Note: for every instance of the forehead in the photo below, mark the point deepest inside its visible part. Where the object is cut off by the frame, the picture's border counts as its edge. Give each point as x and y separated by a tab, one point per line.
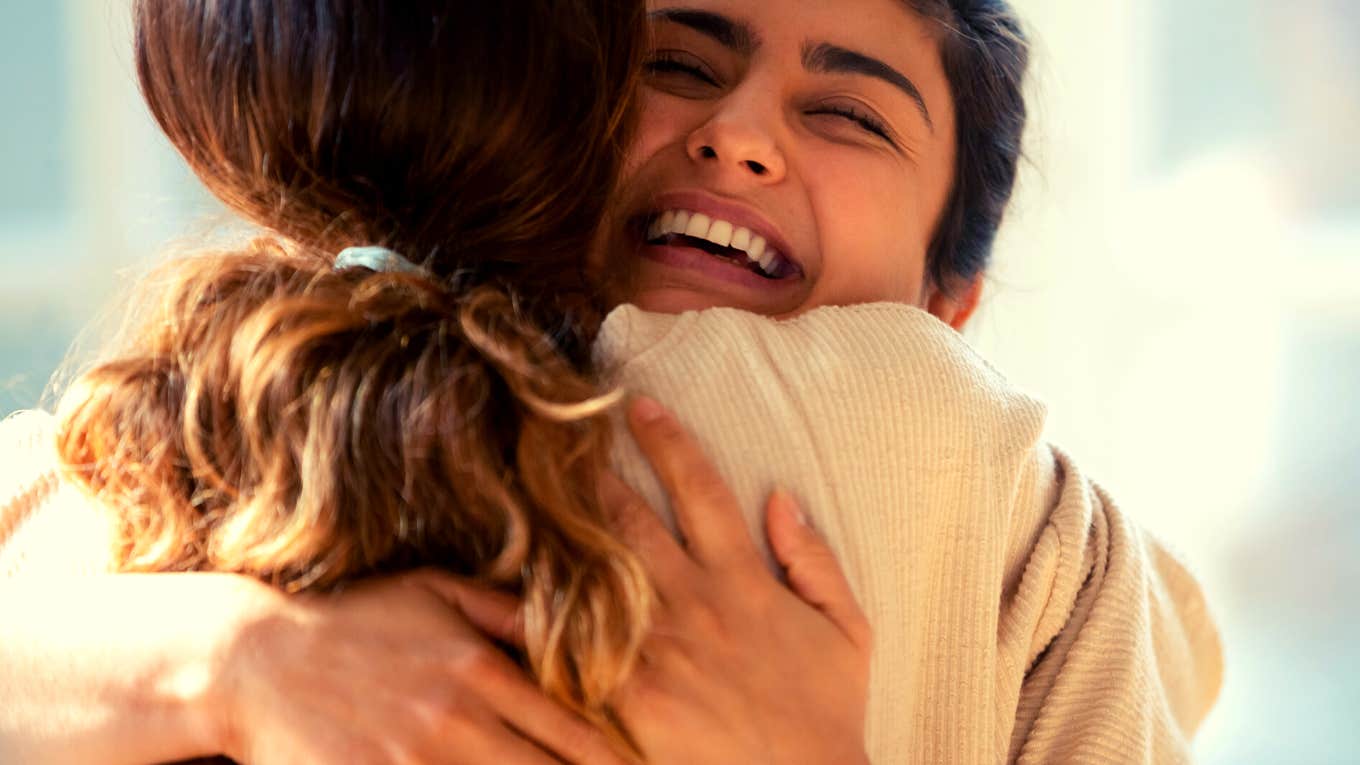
886	26
784	31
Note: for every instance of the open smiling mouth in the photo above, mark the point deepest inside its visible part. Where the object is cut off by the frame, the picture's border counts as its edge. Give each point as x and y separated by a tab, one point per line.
735	244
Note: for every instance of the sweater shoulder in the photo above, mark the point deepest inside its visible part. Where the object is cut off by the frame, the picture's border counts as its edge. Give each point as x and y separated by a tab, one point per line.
28	466
47	524
865	360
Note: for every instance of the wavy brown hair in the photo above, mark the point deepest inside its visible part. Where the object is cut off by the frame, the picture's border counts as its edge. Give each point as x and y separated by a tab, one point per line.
268	415
985	53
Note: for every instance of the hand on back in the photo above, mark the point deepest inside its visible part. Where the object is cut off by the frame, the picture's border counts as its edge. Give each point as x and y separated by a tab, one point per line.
392	671
739	667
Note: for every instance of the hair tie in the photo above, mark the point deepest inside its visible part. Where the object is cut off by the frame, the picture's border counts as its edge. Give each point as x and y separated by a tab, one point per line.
375	259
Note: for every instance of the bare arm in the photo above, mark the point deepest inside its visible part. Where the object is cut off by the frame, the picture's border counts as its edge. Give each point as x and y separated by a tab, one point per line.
95	667
115	668
137	668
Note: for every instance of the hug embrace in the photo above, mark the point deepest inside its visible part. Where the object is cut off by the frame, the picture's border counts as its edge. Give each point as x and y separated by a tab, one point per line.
592	392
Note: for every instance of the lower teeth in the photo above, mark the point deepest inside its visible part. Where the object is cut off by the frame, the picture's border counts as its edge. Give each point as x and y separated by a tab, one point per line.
730	255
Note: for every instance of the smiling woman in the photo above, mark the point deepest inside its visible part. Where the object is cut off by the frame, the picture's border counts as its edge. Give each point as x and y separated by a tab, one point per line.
277	412
834	137
796	159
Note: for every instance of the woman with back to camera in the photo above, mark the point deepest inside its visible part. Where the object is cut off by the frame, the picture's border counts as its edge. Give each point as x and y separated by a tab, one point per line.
723	116
296	412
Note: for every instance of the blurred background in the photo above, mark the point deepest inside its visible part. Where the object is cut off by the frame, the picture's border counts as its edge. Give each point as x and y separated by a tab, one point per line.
1180	280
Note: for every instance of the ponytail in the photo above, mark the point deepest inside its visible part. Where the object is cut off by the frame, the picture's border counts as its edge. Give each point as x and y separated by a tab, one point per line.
276	418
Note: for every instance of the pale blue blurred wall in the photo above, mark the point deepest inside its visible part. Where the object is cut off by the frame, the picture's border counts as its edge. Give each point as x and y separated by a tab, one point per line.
33	87
1282	80
35	186
89	191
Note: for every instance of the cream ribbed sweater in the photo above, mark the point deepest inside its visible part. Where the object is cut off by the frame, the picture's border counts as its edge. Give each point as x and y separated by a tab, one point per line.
1019	616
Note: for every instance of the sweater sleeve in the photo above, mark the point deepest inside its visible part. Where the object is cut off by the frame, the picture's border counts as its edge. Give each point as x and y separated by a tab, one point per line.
1122	660
47	525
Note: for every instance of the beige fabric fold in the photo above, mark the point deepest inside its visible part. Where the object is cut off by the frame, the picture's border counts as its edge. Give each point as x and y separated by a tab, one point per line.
47	526
1019	615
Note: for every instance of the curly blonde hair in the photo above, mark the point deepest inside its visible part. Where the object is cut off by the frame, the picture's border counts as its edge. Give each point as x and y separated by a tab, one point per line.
268	415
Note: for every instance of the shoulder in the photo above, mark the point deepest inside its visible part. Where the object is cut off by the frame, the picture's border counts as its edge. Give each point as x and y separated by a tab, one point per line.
28	458
28	468
47	524
27	429
865	358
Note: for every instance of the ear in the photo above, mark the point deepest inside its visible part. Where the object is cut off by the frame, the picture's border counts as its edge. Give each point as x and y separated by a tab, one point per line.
955	309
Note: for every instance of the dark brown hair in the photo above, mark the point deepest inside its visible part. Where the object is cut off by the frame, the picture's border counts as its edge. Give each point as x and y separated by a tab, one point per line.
985	55
268	415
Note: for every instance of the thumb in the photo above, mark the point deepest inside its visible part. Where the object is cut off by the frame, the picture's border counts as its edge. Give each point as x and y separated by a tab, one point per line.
811	567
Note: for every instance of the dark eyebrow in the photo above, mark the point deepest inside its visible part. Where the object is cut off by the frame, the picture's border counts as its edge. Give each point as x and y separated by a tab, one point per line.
826	58
728	33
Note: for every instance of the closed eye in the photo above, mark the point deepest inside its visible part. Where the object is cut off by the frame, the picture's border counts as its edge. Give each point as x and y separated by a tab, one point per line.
863	119
675	63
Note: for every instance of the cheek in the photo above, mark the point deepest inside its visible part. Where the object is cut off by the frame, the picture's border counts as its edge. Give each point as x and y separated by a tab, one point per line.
873	248
661	123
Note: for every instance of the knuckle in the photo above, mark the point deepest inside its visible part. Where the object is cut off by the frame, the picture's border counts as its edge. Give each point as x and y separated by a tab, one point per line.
478	664
435	705
749	576
705	488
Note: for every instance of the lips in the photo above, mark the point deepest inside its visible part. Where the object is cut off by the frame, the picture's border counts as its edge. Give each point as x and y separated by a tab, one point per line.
696	230
720	238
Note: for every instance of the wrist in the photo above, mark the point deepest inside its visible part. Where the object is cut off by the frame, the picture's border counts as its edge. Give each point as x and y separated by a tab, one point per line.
209	685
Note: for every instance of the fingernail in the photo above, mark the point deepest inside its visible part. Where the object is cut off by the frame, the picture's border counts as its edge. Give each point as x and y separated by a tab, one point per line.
790	505
647	410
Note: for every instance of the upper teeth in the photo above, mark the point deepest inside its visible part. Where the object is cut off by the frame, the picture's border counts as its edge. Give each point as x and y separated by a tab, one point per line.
719	232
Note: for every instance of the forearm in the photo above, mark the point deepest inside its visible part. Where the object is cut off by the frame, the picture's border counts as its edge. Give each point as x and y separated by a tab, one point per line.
116	668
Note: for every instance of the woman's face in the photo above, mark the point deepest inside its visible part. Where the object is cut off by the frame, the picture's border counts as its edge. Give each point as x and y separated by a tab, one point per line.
791	154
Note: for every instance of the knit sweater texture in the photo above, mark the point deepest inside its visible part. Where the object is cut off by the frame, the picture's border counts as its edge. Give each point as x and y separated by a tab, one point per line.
1019	615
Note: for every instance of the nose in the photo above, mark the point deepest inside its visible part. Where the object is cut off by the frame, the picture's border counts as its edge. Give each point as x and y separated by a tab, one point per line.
737	150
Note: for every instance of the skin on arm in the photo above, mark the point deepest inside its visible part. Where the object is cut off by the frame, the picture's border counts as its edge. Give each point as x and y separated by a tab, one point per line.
143	668
160	667
115	668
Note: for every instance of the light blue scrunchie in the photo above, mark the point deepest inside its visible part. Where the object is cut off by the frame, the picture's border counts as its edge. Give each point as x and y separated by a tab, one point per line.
375	259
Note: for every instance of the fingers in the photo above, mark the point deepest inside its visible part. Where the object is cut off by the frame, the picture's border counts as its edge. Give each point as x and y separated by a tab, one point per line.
705	509
813	572
508	691
482	739
506	745
642	530
494	613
